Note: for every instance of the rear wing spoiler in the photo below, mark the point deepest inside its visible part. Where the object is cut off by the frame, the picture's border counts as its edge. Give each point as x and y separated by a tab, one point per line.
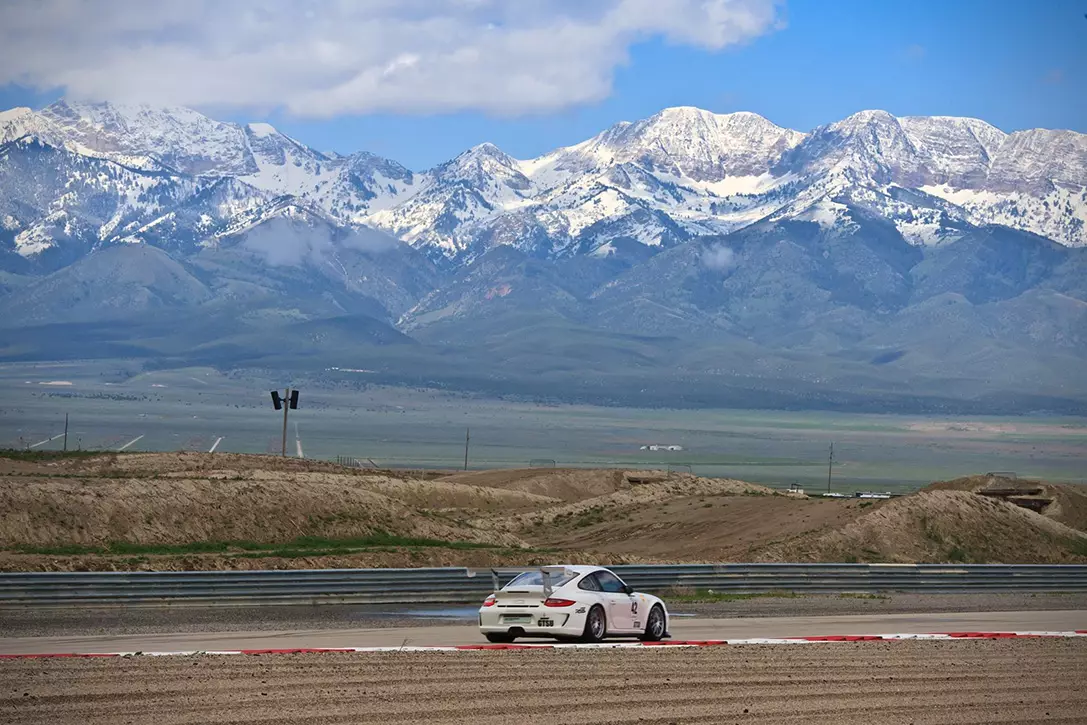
549	573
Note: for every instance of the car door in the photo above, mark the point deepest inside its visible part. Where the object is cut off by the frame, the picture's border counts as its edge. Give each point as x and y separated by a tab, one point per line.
622	607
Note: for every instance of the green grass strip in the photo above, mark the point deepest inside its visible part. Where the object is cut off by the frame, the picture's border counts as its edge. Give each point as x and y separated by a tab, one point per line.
300	546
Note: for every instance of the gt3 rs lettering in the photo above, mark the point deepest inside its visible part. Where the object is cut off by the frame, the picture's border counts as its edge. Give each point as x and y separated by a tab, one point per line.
579	610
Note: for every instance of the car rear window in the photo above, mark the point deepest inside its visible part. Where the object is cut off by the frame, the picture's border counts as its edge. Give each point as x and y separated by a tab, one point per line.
535	578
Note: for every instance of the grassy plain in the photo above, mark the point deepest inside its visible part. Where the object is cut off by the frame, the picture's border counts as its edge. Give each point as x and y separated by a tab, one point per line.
110	407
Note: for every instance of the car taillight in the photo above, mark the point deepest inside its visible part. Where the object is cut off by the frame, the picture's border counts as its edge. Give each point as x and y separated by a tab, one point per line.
553	602
489	601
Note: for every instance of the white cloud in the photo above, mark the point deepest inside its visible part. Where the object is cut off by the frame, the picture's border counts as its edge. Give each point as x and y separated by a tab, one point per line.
286	243
718	258
322	58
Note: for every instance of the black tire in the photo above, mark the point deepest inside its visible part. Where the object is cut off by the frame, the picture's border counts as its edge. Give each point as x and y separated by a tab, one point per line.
655	626
596	625
500	637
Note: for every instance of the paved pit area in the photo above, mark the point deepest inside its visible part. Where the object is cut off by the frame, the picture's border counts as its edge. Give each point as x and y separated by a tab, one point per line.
986	681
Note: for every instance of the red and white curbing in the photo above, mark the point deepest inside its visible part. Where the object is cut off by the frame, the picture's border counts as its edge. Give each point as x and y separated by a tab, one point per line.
602	645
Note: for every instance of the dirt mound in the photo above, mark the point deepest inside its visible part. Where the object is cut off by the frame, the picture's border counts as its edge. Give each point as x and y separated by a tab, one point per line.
603	508
1067	502
203	511
369	559
974	483
156	464
567	484
941	526
55	511
450	496
698	528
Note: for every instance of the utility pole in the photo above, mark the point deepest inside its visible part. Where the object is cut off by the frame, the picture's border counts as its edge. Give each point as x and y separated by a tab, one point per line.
286	396
65	432
467	437
287	402
830	466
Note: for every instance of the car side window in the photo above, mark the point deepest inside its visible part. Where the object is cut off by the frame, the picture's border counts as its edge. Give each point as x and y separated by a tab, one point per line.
609	582
589	583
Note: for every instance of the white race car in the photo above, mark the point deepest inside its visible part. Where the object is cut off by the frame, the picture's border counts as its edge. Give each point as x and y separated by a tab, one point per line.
571	602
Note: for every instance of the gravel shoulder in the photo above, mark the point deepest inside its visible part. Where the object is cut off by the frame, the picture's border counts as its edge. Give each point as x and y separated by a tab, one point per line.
44	622
1009	681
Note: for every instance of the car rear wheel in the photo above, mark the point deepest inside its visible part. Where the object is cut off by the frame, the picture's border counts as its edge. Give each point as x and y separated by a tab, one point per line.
500	637
654	626
596	625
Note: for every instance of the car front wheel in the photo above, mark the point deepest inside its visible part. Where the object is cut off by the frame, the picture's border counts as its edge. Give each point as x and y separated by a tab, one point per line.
654	626
596	625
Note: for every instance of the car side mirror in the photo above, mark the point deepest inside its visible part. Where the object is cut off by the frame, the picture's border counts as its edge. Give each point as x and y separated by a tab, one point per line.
627	589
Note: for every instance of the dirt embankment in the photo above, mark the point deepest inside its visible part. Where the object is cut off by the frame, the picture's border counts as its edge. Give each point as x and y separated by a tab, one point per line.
228	511
254	506
698	528
941	526
367	557
611	506
1062	502
562	484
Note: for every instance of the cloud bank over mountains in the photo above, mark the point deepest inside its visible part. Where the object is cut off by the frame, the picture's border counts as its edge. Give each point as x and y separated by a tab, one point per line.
324	59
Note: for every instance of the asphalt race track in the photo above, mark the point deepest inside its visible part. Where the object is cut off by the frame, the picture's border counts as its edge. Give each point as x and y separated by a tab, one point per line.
449	635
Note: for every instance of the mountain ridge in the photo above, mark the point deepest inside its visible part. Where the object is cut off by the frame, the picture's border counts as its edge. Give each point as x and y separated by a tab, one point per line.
931	263
708	173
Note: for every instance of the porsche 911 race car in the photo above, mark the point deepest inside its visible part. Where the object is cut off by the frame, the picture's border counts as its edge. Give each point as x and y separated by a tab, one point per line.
586	603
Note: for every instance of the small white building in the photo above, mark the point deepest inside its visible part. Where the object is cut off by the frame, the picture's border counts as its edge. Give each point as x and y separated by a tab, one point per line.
660	447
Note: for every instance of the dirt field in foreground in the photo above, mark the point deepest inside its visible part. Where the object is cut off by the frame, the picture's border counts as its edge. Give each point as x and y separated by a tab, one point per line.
1021	681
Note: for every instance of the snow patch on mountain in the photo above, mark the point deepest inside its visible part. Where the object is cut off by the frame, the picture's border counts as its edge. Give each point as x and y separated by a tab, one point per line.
179	137
260	130
1060	214
826	213
955	151
34	240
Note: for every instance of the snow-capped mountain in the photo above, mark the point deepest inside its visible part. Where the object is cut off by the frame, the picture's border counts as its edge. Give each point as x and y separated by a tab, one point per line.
686	172
965	170
679	173
654	183
76	176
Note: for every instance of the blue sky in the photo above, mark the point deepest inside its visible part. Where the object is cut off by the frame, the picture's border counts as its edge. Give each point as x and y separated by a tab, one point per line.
1015	64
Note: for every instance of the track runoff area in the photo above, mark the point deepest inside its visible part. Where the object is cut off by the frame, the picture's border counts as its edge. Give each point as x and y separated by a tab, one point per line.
980	678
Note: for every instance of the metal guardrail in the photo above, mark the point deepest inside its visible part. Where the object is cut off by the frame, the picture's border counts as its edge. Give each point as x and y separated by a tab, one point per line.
375	586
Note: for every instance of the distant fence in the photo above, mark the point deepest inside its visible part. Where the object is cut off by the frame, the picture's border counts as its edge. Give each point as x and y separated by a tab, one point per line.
374	586
680	468
350	462
542	463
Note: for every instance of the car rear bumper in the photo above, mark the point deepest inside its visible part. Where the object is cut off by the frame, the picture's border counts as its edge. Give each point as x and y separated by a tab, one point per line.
565	622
